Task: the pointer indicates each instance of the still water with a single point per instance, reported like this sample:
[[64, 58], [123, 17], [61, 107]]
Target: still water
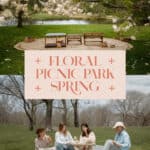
[[47, 22]]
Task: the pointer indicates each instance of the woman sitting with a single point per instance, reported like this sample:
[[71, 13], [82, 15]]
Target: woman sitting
[[87, 137], [63, 138], [42, 140]]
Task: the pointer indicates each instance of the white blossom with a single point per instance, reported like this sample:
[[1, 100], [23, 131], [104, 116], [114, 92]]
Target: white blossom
[[116, 28], [2, 18], [4, 2], [114, 20], [146, 64], [7, 13], [132, 37], [129, 18], [7, 59], [13, 3], [36, 8]]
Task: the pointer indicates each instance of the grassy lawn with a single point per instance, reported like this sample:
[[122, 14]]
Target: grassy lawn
[[12, 60], [17, 137]]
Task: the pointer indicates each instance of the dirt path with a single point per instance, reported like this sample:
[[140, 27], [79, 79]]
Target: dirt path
[[38, 44]]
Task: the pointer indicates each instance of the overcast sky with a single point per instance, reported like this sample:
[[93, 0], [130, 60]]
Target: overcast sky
[[138, 83]]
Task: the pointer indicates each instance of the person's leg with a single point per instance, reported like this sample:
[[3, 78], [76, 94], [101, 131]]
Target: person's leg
[[89, 148], [110, 146], [70, 147], [59, 146]]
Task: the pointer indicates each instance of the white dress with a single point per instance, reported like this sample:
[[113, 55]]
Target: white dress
[[91, 139]]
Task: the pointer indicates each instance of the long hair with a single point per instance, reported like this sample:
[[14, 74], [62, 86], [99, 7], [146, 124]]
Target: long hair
[[61, 126], [88, 129]]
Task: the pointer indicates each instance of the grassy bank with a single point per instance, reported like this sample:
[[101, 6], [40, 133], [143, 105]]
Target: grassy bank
[[12, 60], [17, 137]]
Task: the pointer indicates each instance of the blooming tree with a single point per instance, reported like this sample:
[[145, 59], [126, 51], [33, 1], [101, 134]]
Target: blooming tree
[[121, 28], [15, 8], [20, 8]]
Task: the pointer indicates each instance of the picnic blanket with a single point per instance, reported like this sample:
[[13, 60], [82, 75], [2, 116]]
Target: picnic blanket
[[96, 147]]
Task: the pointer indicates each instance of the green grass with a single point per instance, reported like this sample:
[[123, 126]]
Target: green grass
[[17, 137], [138, 58]]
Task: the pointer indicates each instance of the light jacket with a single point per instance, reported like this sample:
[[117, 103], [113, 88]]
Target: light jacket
[[123, 139]]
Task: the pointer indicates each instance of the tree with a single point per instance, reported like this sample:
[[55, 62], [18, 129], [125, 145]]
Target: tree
[[5, 109], [49, 112], [122, 107], [21, 8], [14, 86], [65, 111], [141, 11], [75, 104], [134, 110]]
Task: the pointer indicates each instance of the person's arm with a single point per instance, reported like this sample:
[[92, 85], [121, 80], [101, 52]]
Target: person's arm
[[92, 137], [70, 137], [36, 144], [48, 139], [80, 139], [126, 142]]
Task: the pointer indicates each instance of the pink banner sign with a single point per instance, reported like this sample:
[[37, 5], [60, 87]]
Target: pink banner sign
[[75, 74]]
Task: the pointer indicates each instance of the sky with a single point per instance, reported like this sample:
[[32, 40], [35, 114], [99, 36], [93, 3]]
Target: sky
[[140, 83]]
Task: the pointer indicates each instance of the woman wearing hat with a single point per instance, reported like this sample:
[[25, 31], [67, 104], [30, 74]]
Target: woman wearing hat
[[121, 141]]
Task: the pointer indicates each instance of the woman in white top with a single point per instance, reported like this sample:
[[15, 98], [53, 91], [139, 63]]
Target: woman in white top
[[87, 137], [63, 138], [42, 140]]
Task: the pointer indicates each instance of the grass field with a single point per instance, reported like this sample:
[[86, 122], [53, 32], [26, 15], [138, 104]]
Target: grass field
[[12, 60], [20, 138]]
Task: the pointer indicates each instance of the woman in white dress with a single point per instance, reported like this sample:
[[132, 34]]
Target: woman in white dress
[[42, 140], [63, 138], [87, 137]]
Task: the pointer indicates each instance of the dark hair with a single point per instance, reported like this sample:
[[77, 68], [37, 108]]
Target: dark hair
[[39, 130], [88, 129], [61, 126]]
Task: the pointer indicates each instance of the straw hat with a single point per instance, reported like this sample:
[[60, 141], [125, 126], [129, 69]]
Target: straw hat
[[119, 124]]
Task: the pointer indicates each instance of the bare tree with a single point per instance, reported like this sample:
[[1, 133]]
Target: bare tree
[[75, 104], [14, 86], [134, 110], [5, 109], [122, 107], [49, 112], [65, 111]]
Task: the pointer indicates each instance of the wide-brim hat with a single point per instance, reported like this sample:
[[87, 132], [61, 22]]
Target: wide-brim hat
[[119, 124]]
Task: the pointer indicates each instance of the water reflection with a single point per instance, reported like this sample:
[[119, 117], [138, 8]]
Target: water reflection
[[13, 22]]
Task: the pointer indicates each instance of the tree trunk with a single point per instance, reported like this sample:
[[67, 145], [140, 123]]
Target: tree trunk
[[20, 19], [49, 111], [75, 109], [65, 112], [31, 124]]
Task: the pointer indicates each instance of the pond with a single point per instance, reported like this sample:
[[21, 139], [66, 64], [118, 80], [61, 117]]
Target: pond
[[47, 22]]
